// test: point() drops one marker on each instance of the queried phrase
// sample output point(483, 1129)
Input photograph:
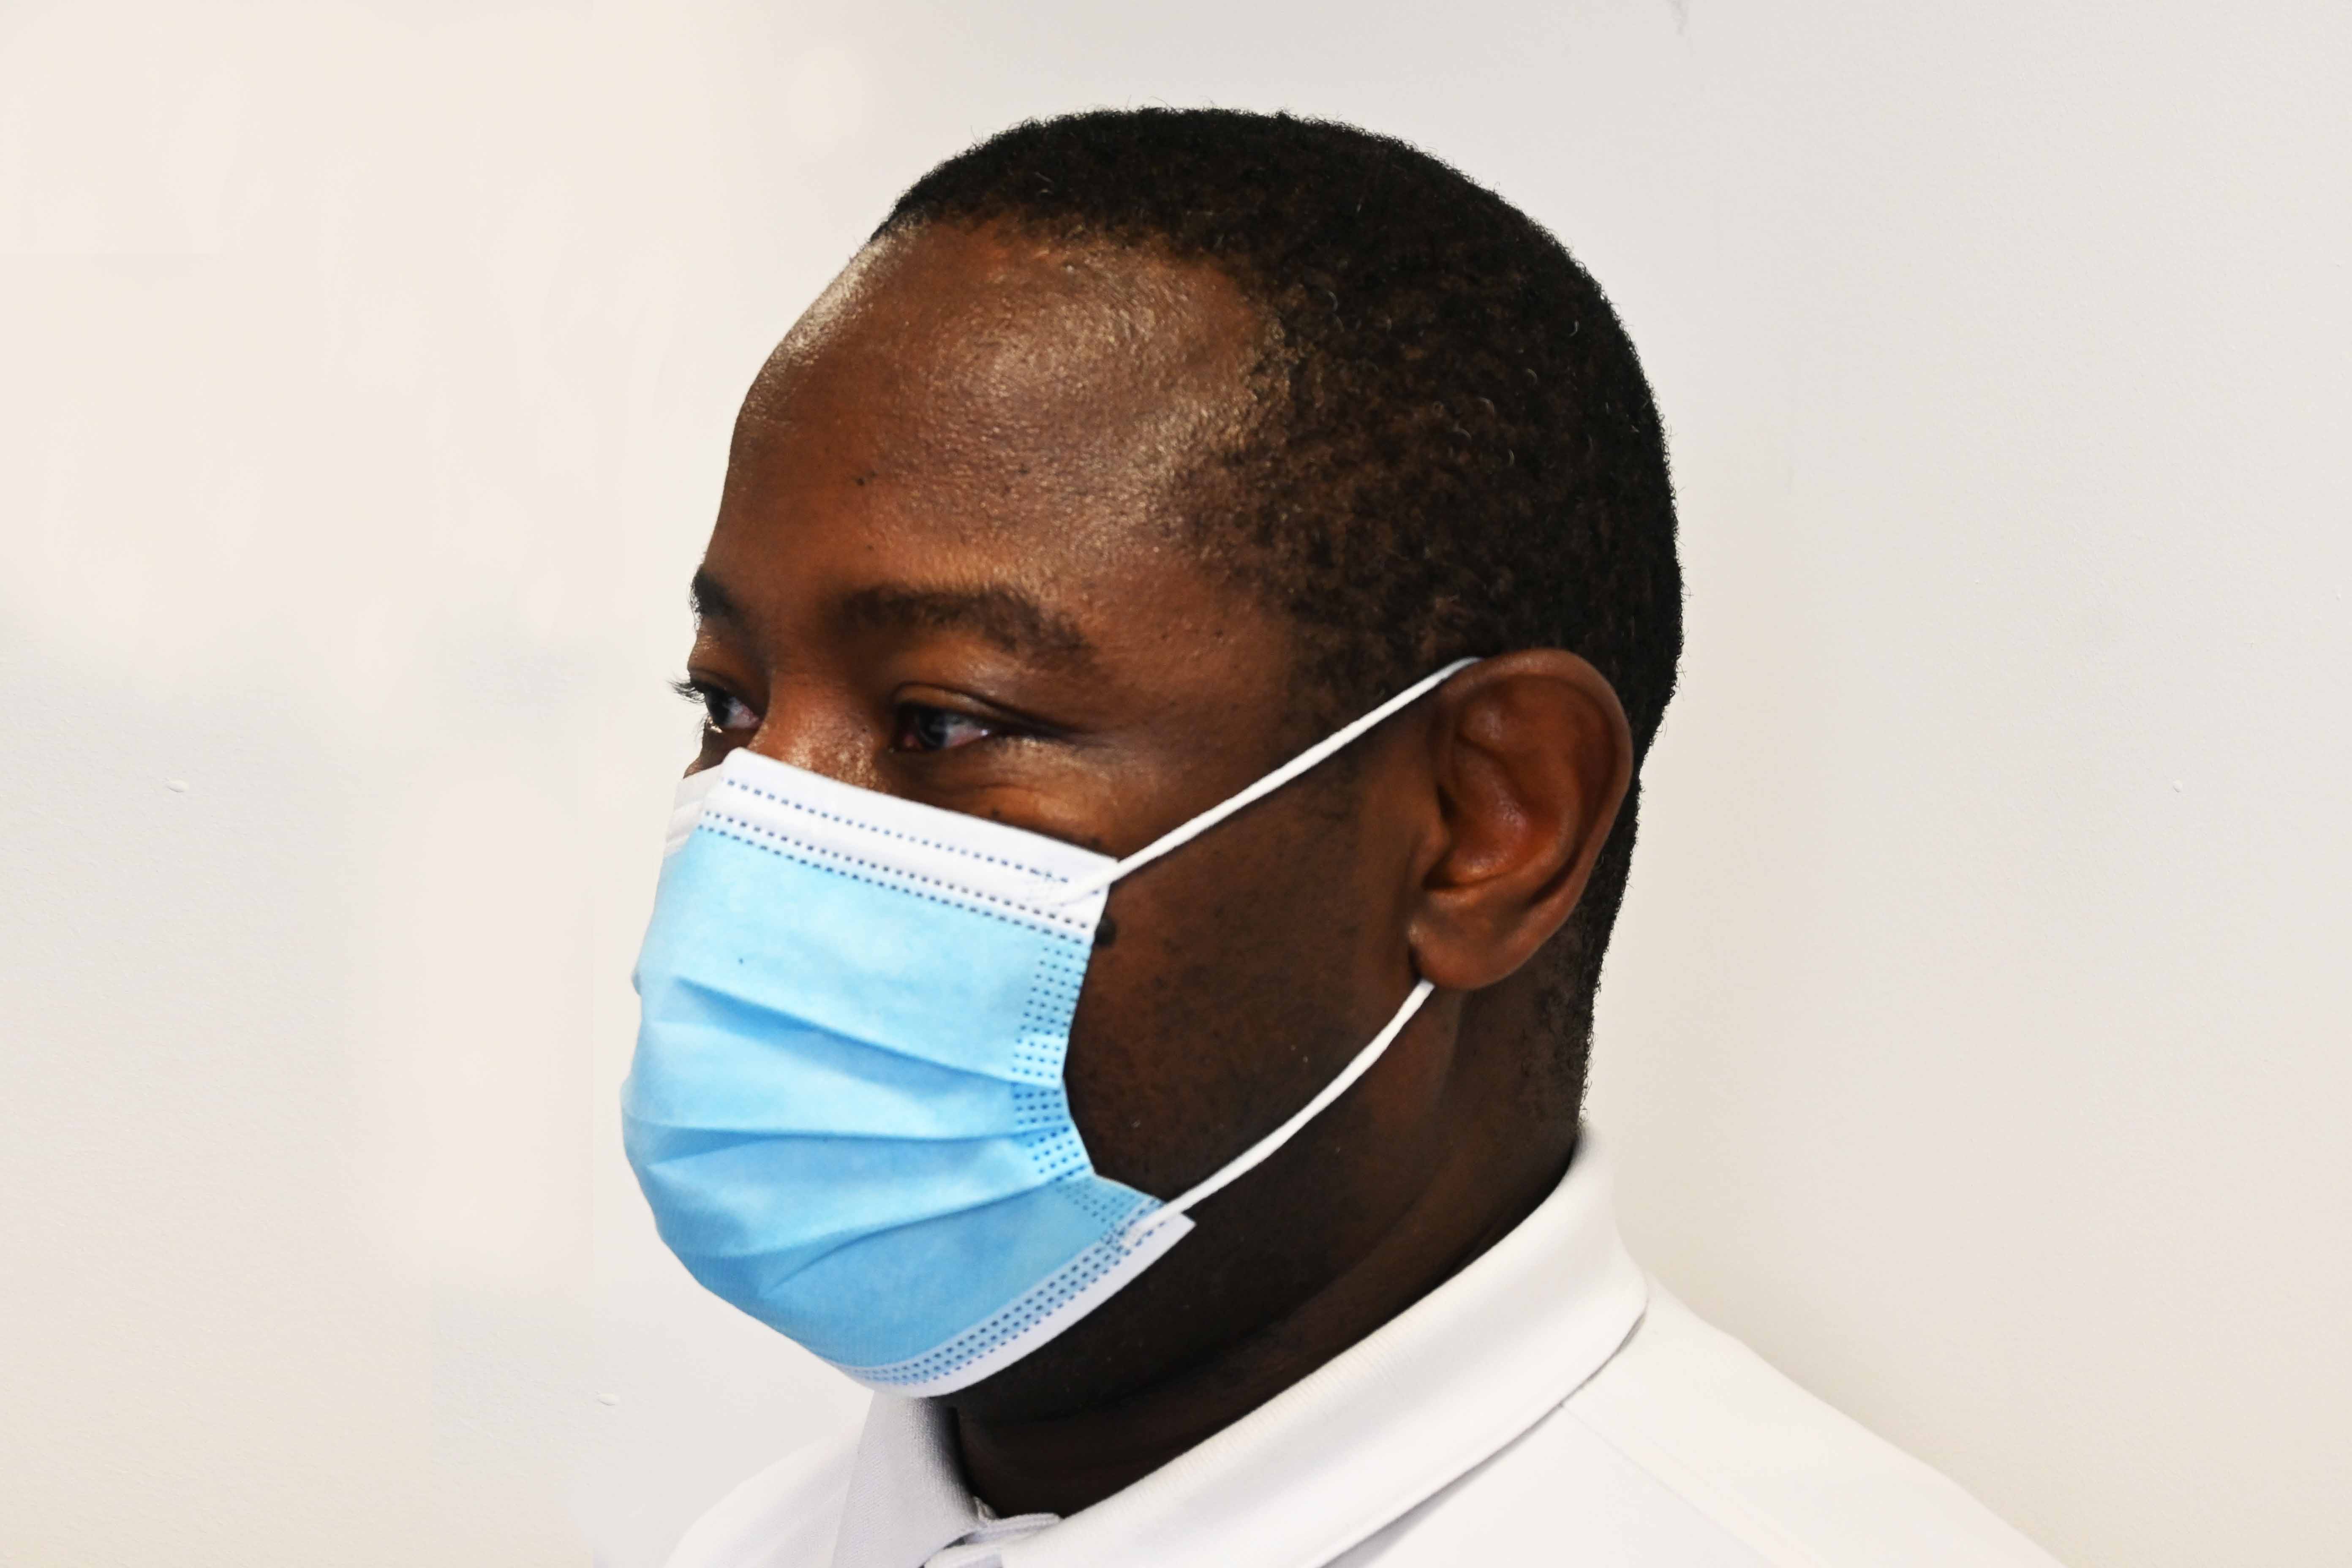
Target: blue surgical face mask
point(846, 1108)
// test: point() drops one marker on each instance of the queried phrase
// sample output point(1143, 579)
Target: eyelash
point(714, 699)
point(912, 715)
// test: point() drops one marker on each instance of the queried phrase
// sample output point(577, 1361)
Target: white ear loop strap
point(1176, 838)
point(1251, 1158)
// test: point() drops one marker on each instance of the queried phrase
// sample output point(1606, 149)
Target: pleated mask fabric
point(846, 1106)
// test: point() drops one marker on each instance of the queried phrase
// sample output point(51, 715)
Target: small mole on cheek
point(1106, 932)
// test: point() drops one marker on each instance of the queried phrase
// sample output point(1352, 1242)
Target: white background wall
point(1974, 1044)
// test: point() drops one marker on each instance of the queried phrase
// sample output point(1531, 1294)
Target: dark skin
point(952, 563)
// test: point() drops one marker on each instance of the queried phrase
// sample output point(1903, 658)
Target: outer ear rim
point(1545, 906)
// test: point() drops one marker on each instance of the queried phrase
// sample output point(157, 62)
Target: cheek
point(1233, 992)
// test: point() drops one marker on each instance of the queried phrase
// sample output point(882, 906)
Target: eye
point(927, 728)
point(722, 710)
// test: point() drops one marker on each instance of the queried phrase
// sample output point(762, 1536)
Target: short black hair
point(1457, 452)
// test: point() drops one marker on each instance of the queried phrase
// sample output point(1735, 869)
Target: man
point(1186, 1146)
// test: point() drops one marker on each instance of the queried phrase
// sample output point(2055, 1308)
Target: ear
point(1531, 758)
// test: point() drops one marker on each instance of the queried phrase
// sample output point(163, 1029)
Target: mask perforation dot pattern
point(763, 837)
point(903, 838)
point(1057, 1154)
point(1045, 1016)
point(1038, 1307)
point(1039, 1105)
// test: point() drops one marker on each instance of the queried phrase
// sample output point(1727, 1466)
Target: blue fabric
point(846, 1107)
point(847, 1110)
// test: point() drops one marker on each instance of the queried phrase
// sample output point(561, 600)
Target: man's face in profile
point(965, 556)
point(951, 564)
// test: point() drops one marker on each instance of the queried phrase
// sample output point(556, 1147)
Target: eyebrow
point(1005, 616)
point(712, 601)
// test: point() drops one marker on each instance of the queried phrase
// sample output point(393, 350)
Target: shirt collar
point(1335, 1457)
point(907, 1497)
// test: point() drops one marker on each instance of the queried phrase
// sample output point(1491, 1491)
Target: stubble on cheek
point(1225, 1000)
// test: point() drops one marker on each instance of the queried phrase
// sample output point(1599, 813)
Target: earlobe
point(1530, 759)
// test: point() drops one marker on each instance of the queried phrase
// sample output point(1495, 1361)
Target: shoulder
point(1688, 1449)
point(1714, 1422)
point(783, 1517)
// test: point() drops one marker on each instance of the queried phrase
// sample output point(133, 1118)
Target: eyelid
point(705, 693)
point(998, 715)
point(691, 681)
point(909, 714)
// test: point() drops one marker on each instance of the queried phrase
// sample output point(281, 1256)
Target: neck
point(1065, 1463)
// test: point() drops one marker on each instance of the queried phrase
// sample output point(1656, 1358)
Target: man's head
point(1450, 447)
point(1136, 451)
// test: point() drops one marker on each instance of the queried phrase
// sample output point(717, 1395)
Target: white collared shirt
point(1548, 1403)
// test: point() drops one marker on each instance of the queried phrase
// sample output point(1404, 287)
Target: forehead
point(998, 374)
